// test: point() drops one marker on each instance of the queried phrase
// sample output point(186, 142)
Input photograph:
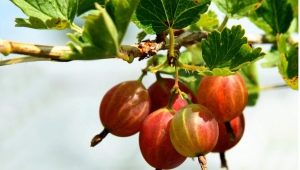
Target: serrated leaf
point(46, 14)
point(208, 22)
point(228, 50)
point(86, 5)
point(288, 62)
point(121, 11)
point(99, 38)
point(245, 55)
point(237, 8)
point(156, 16)
point(274, 16)
point(249, 74)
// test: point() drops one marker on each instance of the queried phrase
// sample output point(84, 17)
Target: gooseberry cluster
point(174, 123)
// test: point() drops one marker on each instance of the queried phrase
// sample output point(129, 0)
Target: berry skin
point(160, 93)
point(225, 96)
point(124, 108)
point(194, 131)
point(155, 143)
point(226, 141)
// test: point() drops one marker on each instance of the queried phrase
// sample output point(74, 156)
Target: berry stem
point(229, 130)
point(98, 138)
point(176, 77)
point(175, 90)
point(172, 98)
point(158, 76)
point(223, 160)
point(203, 162)
point(155, 69)
point(144, 73)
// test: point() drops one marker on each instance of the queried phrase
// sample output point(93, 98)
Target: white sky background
point(49, 113)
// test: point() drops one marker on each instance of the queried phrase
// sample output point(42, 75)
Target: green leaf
point(228, 50)
point(217, 72)
point(288, 62)
point(121, 11)
point(190, 79)
point(141, 35)
point(192, 55)
point(99, 38)
point(156, 16)
point(294, 4)
point(249, 74)
point(274, 16)
point(46, 14)
point(294, 25)
point(237, 8)
point(86, 5)
point(208, 22)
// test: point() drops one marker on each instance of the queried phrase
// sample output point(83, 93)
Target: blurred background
point(49, 112)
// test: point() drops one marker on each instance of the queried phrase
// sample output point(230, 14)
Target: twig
point(189, 38)
point(44, 51)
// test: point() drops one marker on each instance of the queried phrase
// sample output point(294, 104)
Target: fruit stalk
point(223, 160)
point(203, 162)
point(98, 138)
point(174, 90)
point(229, 130)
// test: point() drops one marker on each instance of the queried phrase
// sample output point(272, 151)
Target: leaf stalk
point(223, 24)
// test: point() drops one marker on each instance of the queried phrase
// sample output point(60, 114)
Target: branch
point(60, 53)
point(263, 39)
point(44, 51)
point(142, 50)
